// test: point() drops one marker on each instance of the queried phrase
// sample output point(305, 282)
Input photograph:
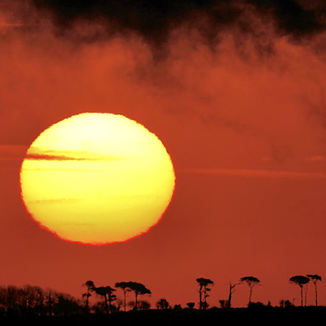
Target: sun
point(97, 178)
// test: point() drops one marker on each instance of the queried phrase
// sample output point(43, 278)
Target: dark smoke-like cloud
point(60, 58)
point(155, 19)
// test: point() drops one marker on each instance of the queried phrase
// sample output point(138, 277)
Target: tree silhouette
point(315, 278)
point(139, 289)
point(107, 293)
point(300, 280)
point(89, 288)
point(251, 282)
point(203, 291)
point(125, 287)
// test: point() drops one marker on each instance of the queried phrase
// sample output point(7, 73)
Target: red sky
point(246, 133)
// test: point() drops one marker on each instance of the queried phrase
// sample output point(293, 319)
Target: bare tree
point(231, 290)
point(251, 282)
point(203, 291)
point(300, 280)
point(315, 278)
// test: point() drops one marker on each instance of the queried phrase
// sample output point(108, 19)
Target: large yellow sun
point(97, 178)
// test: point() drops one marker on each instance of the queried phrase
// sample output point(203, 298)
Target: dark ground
point(214, 316)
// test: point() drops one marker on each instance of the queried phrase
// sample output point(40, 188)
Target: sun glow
point(97, 178)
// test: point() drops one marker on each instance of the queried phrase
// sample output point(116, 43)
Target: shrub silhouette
point(162, 304)
point(285, 303)
point(190, 305)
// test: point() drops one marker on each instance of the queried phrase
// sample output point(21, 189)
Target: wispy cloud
point(54, 200)
point(67, 155)
point(19, 152)
point(253, 173)
point(55, 157)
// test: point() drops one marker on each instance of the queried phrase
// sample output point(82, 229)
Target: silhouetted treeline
point(33, 300)
point(127, 299)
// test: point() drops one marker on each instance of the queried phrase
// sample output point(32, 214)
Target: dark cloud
point(249, 95)
point(295, 17)
point(155, 19)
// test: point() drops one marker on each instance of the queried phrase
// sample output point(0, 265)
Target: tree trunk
point(316, 294)
point(106, 304)
point(110, 302)
point(124, 299)
point(301, 295)
point(136, 300)
point(250, 294)
point(87, 302)
point(50, 304)
point(230, 297)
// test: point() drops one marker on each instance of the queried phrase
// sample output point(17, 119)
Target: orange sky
point(246, 133)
